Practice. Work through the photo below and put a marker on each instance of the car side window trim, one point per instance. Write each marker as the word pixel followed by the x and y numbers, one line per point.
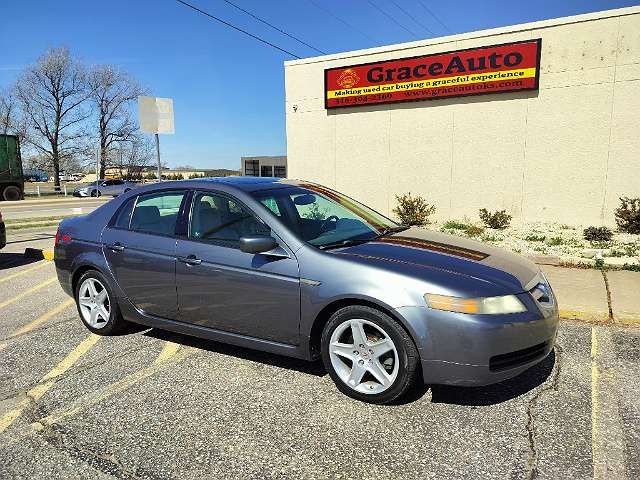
pixel 186 197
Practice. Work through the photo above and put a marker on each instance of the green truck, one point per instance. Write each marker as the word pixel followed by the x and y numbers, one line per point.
pixel 11 180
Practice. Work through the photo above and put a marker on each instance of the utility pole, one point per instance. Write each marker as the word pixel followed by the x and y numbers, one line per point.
pixel 97 169
pixel 158 155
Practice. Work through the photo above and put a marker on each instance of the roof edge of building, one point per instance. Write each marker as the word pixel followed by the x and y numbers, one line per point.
pixel 523 27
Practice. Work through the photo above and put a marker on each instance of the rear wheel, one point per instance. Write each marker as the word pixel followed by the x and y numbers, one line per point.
pixel 95 193
pixel 11 193
pixel 97 306
pixel 368 355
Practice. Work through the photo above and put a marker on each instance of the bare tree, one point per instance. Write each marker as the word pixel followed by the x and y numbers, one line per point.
pixel 132 158
pixel 51 94
pixel 10 121
pixel 112 93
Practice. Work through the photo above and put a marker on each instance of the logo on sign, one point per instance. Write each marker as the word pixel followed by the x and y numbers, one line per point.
pixel 348 78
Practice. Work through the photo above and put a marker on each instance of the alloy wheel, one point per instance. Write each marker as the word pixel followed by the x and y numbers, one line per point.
pixel 364 356
pixel 94 303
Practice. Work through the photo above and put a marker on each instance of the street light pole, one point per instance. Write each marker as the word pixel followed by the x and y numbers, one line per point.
pixel 158 155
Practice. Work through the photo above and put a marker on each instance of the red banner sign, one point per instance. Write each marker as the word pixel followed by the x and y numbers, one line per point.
pixel 507 67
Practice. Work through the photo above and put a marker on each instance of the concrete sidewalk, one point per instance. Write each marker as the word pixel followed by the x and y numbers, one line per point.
pixel 596 296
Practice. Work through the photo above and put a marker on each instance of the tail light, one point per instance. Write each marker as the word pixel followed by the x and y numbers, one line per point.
pixel 61 237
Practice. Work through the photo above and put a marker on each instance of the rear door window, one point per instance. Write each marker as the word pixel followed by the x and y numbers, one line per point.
pixel 157 212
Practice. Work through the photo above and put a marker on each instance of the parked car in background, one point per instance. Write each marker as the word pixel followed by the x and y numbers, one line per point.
pixel 69 177
pixel 34 175
pixel 298 269
pixel 3 233
pixel 105 187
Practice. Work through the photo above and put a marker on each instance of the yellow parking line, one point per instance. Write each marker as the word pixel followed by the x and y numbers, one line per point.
pixel 121 385
pixel 28 292
pixel 15 275
pixel 168 351
pixel 48 380
pixel 43 318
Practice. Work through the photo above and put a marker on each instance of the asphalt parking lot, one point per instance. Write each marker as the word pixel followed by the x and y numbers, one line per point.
pixel 155 405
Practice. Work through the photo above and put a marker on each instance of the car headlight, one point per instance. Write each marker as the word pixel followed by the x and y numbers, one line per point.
pixel 484 305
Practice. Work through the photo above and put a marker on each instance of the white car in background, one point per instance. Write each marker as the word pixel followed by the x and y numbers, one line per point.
pixel 104 187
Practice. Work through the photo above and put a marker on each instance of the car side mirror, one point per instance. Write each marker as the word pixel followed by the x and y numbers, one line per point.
pixel 257 243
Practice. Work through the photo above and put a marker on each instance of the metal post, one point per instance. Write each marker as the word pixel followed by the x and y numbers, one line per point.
pixel 158 154
pixel 65 189
pixel 97 170
pixel 38 189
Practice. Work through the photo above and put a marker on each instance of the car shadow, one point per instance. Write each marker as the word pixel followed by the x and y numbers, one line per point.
pixel 303 366
pixel 11 260
pixel 496 393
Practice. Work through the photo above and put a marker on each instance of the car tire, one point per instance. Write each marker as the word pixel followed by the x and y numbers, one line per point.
pixel 95 193
pixel 127 190
pixel 11 193
pixel 107 321
pixel 344 358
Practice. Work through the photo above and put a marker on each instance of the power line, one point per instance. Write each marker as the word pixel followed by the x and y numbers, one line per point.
pixel 391 18
pixel 402 9
pixel 331 14
pixel 434 16
pixel 274 27
pixel 236 28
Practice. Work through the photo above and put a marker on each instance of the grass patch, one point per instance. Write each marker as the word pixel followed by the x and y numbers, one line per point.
pixel 24 226
pixel 474 231
pixel 15 221
pixel 455 225
pixel 535 238
pixel 555 241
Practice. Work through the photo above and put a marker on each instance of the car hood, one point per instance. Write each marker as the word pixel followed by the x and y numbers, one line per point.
pixel 421 249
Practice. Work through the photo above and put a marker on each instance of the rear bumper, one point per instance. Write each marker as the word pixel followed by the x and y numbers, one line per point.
pixel 475 350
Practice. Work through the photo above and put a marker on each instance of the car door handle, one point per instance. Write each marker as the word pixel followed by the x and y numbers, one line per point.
pixel 116 247
pixel 190 260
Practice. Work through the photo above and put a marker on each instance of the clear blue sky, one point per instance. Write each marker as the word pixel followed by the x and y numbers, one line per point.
pixel 228 89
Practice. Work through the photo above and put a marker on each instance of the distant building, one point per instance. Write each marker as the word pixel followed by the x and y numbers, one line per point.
pixel 264 166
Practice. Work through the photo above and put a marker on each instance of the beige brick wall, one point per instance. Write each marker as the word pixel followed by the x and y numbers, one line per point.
pixel 564 153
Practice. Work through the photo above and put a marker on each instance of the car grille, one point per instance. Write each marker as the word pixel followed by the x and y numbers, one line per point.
pixel 519 357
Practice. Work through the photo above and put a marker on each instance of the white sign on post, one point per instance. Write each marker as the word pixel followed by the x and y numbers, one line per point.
pixel 156 115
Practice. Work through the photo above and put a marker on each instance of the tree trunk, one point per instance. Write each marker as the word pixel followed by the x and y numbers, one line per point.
pixel 103 159
pixel 55 158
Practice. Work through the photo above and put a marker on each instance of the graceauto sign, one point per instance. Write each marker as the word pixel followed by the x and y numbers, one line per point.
pixel 507 67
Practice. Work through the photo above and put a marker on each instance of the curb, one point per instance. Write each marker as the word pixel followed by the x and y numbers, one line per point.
pixel 38 254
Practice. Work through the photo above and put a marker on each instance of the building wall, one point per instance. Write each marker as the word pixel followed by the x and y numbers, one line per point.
pixel 564 153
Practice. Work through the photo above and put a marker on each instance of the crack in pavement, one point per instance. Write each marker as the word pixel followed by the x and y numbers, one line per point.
pixel 532 462
pixel 608 290
pixel 63 439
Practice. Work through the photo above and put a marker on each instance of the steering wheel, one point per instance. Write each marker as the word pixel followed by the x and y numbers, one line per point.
pixel 325 224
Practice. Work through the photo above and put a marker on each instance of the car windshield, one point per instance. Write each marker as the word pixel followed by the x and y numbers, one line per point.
pixel 323 217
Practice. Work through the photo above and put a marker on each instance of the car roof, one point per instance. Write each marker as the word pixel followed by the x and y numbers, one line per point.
pixel 247 184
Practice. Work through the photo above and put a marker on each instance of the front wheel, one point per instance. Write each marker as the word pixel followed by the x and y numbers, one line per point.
pixel 368 355
pixel 95 193
pixel 97 306
pixel 11 193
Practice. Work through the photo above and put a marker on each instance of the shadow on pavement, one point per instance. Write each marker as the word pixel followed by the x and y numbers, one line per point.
pixel 498 393
pixel 10 260
pixel 311 368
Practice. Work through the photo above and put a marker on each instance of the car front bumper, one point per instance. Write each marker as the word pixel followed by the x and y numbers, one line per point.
pixel 474 350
